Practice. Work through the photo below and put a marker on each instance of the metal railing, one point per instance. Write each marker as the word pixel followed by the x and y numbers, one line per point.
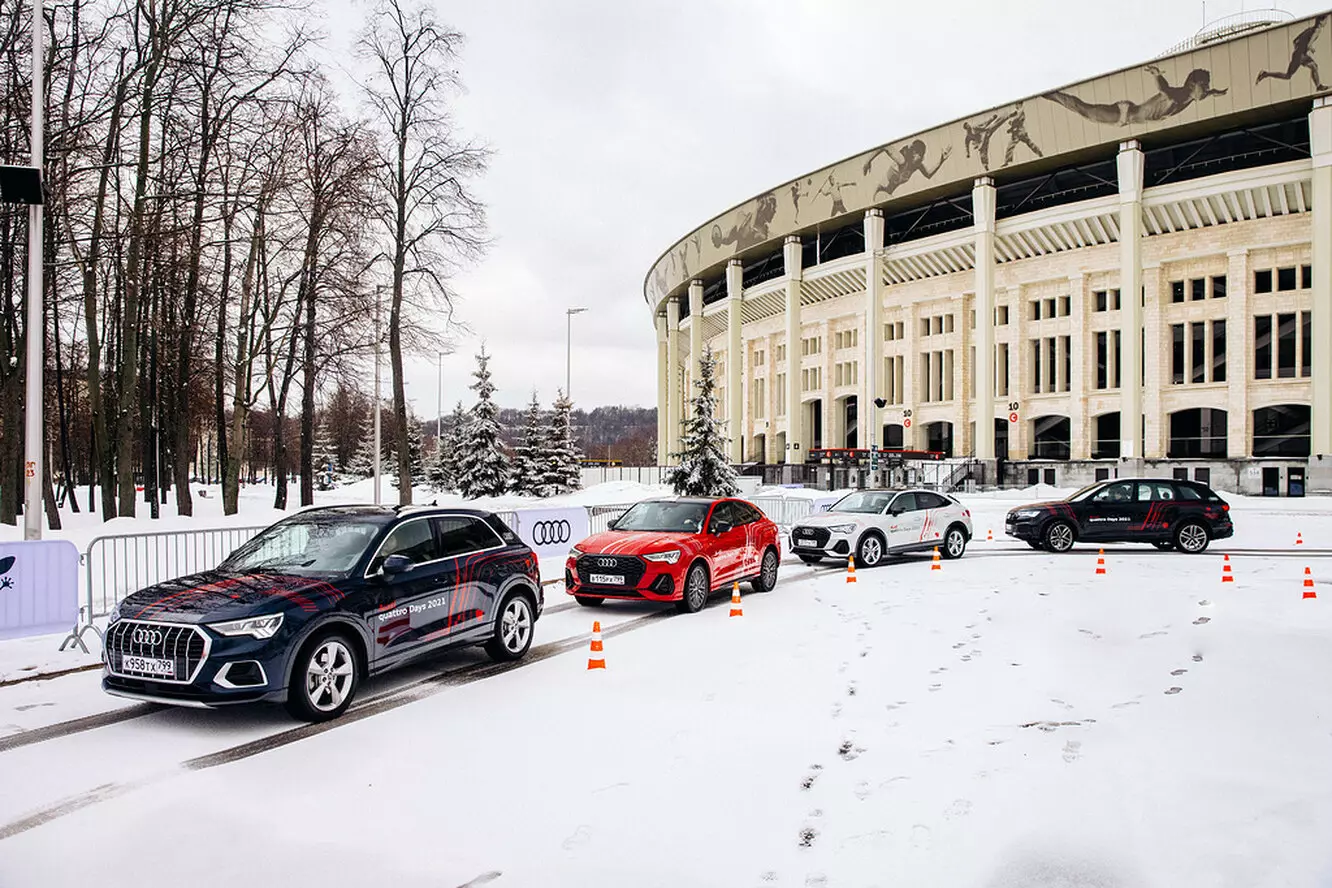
pixel 598 517
pixel 785 511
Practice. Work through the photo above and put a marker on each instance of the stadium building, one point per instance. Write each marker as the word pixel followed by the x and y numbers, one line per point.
pixel 1128 274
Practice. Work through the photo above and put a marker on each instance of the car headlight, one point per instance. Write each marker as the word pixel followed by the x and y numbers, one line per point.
pixel 1026 513
pixel 259 627
pixel 842 528
pixel 668 557
pixel 575 552
pixel 113 615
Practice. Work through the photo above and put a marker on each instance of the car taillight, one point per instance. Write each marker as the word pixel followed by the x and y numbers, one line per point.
pixel 1225 507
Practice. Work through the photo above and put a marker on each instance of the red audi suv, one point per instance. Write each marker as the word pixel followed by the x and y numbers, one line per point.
pixel 679 550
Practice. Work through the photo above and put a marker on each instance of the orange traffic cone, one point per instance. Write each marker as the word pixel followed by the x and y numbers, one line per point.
pixel 850 568
pixel 736 610
pixel 596 658
pixel 1308 585
pixel 989 535
pixel 1100 562
pixel 934 562
pixel 1299 540
pixel 1226 576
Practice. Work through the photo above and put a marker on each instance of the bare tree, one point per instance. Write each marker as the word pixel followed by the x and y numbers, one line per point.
pixel 429 217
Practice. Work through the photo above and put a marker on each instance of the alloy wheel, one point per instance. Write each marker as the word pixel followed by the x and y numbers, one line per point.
pixel 871 551
pixel 329 675
pixel 955 543
pixel 516 624
pixel 769 570
pixel 1060 538
pixel 697 593
pixel 1192 538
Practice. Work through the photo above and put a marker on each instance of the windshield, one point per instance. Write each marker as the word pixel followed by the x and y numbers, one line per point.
pixel 315 546
pixel 666 517
pixel 864 502
pixel 1086 491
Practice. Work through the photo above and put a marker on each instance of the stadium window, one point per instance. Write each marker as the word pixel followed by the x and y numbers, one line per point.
pixel 948 323
pixel 1114 299
pixel 1286 278
pixel 1219 286
pixel 1306 343
pixel 1068 363
pixel 1306 277
pixel 1218 351
pixel 1177 354
pixel 1286 345
pixel 924 326
pixel 1049 308
pixel 1003 315
pixel 1262 281
pixel 901 329
pixel 1198 289
pixel 1065 306
pixel 971 319
pixel 1262 347
pixel 1052 365
pixel 888 332
pixel 1176 291
pixel 937 325
pixel 1035 309
pixel 1118 376
pixel 1099 296
pixel 1198 360
pixel 1036 366
pixel 1102 359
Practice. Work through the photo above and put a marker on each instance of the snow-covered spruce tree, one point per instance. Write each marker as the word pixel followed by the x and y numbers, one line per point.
pixel 446 458
pixel 562 473
pixel 325 457
pixel 362 461
pixel 482 468
pixel 527 476
pixel 415 452
pixel 704 469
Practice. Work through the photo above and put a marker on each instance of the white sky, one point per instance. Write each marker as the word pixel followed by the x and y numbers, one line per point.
pixel 620 125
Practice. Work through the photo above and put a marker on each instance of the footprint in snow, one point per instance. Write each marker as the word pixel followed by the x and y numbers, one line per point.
pixel 1204 602
pixel 921 837
pixel 807 835
pixel 808 782
pixel 862 790
pixel 28 706
pixel 1201 620
pixel 1125 704
pixel 1174 690
pixel 816 880
pixel 483 879
pixel 580 836
pixel 836 710
pixel 1197 658
pixel 1072 749
pixel 769 876
pixel 935 687
pixel 959 808
pixel 1153 634
pixel 1178 671
pixel 848 752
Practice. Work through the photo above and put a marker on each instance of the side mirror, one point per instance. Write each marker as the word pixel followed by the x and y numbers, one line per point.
pixel 895 510
pixel 611 524
pixel 720 527
pixel 396 564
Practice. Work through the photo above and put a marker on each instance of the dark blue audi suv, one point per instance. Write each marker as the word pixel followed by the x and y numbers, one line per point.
pixel 304 611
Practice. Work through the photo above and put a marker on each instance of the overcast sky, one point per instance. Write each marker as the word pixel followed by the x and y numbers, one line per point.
pixel 620 125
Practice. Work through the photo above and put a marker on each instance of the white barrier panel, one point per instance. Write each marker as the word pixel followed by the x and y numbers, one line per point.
pixel 39 588
pixel 551 532
pixel 822 503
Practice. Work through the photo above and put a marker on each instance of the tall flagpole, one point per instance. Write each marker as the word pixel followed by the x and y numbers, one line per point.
pixel 33 468
pixel 378 298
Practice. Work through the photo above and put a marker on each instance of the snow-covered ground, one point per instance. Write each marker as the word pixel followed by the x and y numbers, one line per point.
pixel 1012 720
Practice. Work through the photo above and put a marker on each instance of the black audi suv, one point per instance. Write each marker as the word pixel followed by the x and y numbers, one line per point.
pixel 1169 514
pixel 304 611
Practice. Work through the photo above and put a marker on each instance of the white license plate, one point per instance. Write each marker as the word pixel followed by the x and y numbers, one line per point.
pixel 606 579
pixel 806 542
pixel 149 666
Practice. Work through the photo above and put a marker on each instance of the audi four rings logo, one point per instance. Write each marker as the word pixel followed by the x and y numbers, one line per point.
pixel 147 636
pixel 548 533
pixel 606 562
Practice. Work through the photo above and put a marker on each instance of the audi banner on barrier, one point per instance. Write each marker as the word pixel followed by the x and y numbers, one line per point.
pixel 550 532
pixel 39 587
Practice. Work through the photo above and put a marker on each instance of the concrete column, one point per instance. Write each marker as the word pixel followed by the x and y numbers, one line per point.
pixel 795 430
pixel 1320 145
pixel 1079 430
pixel 673 396
pixel 867 415
pixel 1157 426
pixel 663 390
pixel 1019 371
pixel 735 394
pixel 982 208
pixel 912 385
pixel 695 329
pixel 1239 353
pixel 1130 296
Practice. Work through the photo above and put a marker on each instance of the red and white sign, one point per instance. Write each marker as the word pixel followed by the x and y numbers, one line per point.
pixel 1012 417
pixel 906 423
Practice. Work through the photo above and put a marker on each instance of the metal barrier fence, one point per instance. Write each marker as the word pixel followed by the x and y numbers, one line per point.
pixel 785 511
pixel 600 516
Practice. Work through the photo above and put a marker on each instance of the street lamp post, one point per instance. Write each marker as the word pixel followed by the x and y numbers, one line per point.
pixel 568 349
pixel 379 290
pixel 33 401
pixel 439 408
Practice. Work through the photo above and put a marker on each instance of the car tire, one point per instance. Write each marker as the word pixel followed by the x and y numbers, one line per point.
pixel 324 677
pixel 1192 538
pixel 954 542
pixel 697 588
pixel 589 600
pixel 1058 537
pixel 514 628
pixel 870 551
pixel 1164 545
pixel 811 559
pixel 766 580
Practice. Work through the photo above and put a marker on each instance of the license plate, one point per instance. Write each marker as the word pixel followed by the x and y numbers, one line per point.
pixel 149 666
pixel 805 541
pixel 606 579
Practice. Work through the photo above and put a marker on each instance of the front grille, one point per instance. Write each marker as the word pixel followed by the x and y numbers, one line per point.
pixel 820 536
pixel 630 566
pixel 186 646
